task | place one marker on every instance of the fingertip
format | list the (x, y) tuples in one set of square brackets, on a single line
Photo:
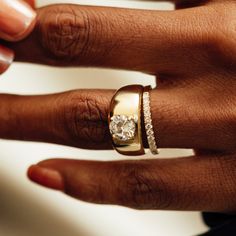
[(6, 58), (28, 30), (21, 35), (46, 177), (18, 21)]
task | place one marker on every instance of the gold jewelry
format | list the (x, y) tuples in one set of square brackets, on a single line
[(125, 120), (148, 121)]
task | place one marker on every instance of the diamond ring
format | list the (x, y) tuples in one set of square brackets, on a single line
[(125, 120)]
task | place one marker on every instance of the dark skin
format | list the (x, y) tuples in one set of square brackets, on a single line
[(191, 50)]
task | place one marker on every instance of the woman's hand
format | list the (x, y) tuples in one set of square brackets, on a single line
[(17, 20), (193, 53)]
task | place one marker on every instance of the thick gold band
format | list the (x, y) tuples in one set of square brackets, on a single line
[(125, 120)]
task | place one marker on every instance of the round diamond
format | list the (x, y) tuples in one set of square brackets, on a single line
[(150, 132), (148, 126), (123, 127)]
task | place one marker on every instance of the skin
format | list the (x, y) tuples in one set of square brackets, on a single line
[(17, 20), (192, 53)]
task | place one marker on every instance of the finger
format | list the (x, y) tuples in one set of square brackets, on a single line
[(73, 35), (79, 118), (192, 183), (6, 58), (76, 118), (17, 19)]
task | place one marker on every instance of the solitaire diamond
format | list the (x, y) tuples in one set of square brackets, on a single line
[(123, 127)]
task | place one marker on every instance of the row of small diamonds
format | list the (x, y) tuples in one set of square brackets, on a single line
[(148, 123)]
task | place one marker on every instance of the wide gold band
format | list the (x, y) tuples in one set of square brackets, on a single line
[(125, 120)]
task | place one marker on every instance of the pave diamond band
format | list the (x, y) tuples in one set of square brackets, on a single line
[(125, 120), (148, 121)]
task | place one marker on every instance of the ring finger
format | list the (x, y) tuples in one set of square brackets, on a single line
[(79, 118)]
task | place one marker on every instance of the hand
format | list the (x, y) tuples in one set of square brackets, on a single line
[(17, 20), (193, 53)]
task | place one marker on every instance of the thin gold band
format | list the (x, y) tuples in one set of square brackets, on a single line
[(125, 120)]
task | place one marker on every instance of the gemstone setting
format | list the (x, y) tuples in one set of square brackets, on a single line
[(123, 127), (148, 123)]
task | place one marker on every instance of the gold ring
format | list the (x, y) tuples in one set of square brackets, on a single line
[(125, 120)]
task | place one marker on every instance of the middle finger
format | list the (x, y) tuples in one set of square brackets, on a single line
[(143, 40)]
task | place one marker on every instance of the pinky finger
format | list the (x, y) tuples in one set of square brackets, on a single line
[(6, 58), (203, 183)]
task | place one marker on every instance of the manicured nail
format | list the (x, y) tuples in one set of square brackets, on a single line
[(16, 17), (46, 177), (6, 58)]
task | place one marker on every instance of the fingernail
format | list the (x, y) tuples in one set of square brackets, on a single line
[(16, 17), (6, 58), (46, 177)]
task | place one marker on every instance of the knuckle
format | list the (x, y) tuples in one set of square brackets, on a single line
[(85, 118), (224, 118), (221, 125), (64, 31), (229, 130), (221, 40), (76, 35), (140, 188)]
